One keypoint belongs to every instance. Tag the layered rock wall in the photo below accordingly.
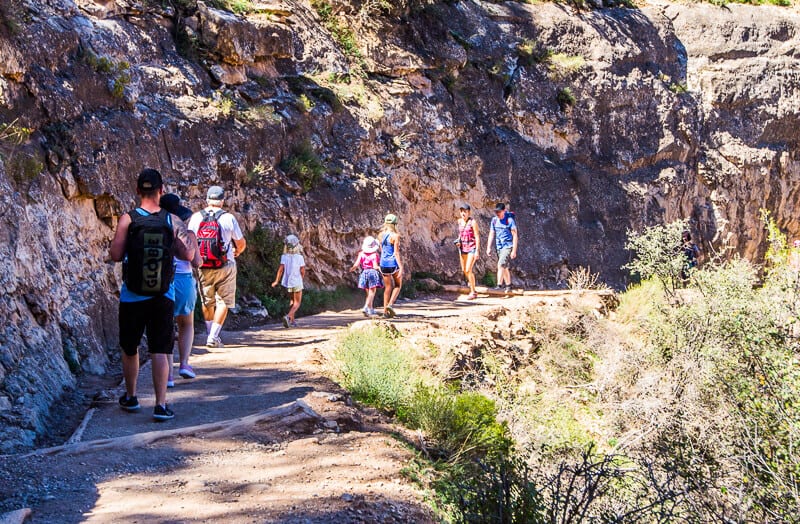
(589, 124)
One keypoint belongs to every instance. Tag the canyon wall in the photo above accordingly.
(589, 123)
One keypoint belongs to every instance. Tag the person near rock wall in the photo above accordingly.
(468, 242)
(146, 240)
(391, 264)
(503, 232)
(293, 271)
(185, 291)
(691, 254)
(220, 240)
(370, 279)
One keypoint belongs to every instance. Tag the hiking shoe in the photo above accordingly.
(187, 372)
(170, 382)
(214, 342)
(507, 289)
(129, 403)
(163, 413)
(366, 311)
(389, 312)
(285, 320)
(293, 323)
(472, 296)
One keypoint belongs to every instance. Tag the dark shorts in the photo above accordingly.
(155, 316)
(389, 270)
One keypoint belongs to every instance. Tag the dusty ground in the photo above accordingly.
(302, 454)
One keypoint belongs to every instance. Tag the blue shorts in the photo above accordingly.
(185, 294)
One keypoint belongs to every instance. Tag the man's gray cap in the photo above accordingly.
(215, 193)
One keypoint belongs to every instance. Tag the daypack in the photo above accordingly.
(149, 249)
(209, 239)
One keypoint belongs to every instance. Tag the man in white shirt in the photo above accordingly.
(220, 241)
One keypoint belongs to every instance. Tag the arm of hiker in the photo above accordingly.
(239, 246)
(117, 250)
(183, 250)
(278, 276)
(489, 242)
(196, 260)
(477, 238)
(397, 257)
(356, 263)
(514, 238)
(303, 272)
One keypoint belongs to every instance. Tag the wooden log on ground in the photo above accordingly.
(286, 414)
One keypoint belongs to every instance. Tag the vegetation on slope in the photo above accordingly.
(682, 405)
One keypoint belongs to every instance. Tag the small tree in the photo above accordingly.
(658, 253)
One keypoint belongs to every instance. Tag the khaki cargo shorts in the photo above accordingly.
(219, 285)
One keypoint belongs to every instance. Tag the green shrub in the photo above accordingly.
(565, 98)
(304, 166)
(489, 279)
(462, 425)
(532, 52)
(375, 370)
(316, 301)
(257, 266)
(658, 253)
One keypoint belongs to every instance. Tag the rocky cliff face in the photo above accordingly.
(587, 123)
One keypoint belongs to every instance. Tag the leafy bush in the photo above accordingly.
(730, 340)
(565, 98)
(305, 166)
(658, 253)
(375, 369)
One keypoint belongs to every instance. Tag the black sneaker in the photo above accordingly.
(507, 289)
(129, 403)
(163, 412)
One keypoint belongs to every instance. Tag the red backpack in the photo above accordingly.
(213, 250)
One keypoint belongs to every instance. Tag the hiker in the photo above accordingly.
(468, 241)
(146, 240)
(391, 265)
(220, 241)
(370, 279)
(185, 291)
(690, 254)
(293, 270)
(503, 232)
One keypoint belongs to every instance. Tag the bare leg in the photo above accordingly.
(185, 337)
(297, 297)
(468, 263)
(397, 284)
(388, 285)
(160, 363)
(370, 297)
(130, 370)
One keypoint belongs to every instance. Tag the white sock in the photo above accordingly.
(215, 329)
(208, 327)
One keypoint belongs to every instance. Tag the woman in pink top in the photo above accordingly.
(370, 279)
(468, 241)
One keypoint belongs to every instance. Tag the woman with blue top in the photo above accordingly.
(185, 291)
(391, 265)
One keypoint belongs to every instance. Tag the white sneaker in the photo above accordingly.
(366, 311)
(213, 342)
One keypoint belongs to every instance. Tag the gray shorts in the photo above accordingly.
(503, 257)
(219, 285)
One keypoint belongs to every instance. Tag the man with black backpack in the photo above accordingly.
(146, 240)
(220, 240)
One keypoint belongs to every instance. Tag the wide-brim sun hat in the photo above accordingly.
(390, 219)
(370, 245)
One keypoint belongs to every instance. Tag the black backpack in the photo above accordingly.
(149, 249)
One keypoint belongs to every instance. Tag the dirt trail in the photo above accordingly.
(259, 436)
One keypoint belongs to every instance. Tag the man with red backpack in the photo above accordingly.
(220, 240)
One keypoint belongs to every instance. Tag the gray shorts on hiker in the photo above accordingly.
(503, 257)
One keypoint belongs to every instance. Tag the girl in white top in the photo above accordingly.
(293, 270)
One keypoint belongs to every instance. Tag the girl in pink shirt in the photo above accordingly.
(370, 279)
